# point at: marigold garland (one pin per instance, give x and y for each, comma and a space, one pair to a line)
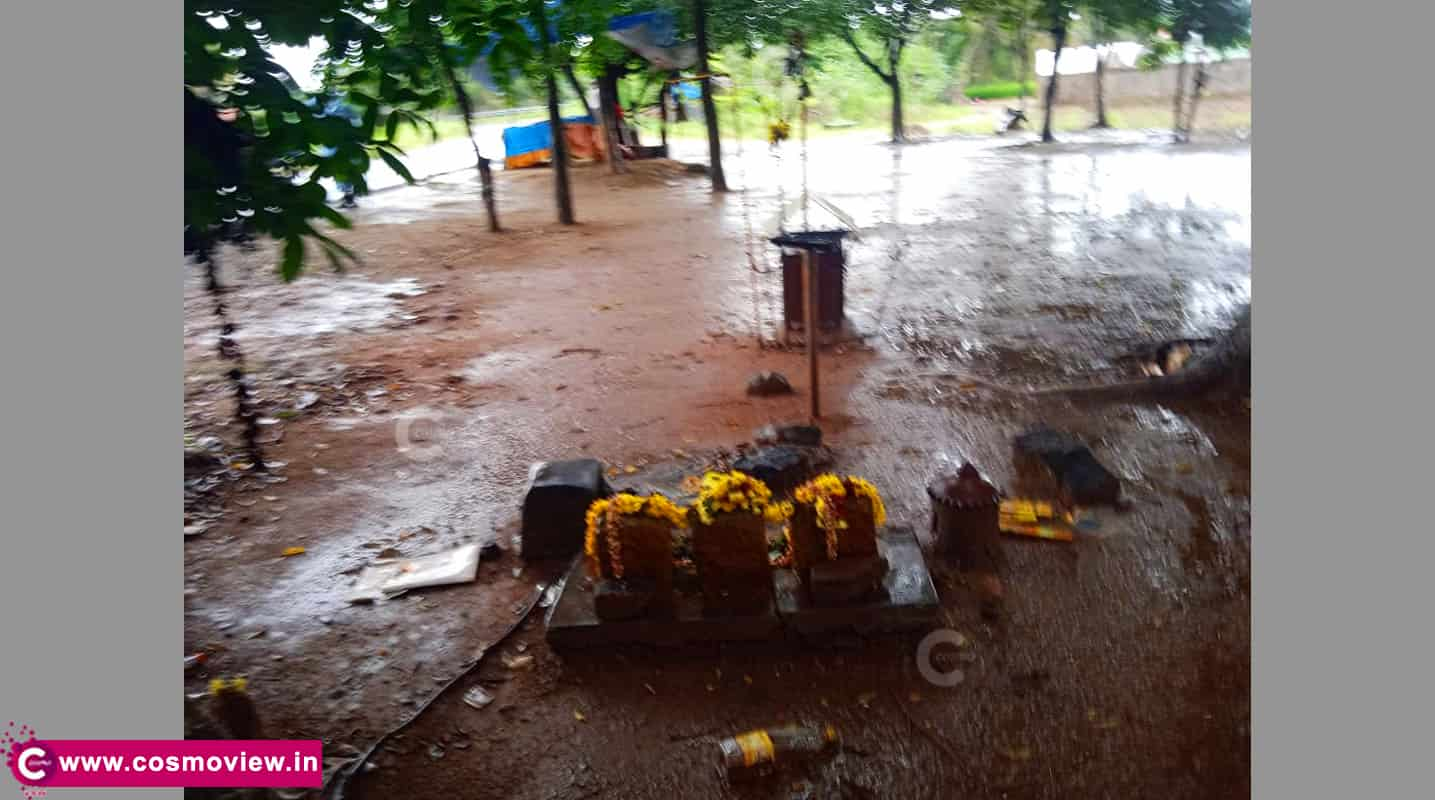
826, 494
605, 513
725, 492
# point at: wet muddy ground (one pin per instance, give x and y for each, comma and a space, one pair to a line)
406, 399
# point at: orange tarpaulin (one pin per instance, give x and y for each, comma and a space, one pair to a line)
585, 143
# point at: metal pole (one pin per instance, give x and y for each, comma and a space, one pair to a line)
809, 302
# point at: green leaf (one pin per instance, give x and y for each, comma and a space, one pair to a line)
396, 165
392, 146
333, 257
391, 128
293, 258
338, 220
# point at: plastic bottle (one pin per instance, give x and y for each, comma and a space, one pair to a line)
758, 752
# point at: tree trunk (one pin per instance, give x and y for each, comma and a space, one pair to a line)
700, 13
608, 118
899, 131
1058, 35
663, 115
680, 109
578, 89
1023, 52
1101, 121
1195, 98
1180, 100
560, 155
485, 173
894, 81
229, 351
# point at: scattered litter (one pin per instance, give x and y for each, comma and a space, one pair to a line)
293, 551
477, 697
194, 662
388, 579
306, 399
1053, 533
578, 715
757, 753
256, 634
517, 662
436, 752
1034, 518
196, 529
550, 595
865, 699
651, 690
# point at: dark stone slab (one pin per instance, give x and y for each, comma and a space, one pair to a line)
782, 467
846, 581
1083, 479
615, 600
558, 496
573, 621
909, 600
802, 435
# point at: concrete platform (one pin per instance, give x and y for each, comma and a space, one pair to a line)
910, 602
572, 622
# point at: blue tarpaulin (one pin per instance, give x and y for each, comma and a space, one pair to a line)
653, 35
527, 145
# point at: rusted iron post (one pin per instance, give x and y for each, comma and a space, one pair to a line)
809, 301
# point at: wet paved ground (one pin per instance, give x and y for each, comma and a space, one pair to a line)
1119, 665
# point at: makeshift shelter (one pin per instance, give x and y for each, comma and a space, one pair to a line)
532, 145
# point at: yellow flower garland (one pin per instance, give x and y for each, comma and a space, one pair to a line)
725, 492
823, 493
605, 513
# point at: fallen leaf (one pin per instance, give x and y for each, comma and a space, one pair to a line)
1022, 753
293, 551
578, 715
630, 469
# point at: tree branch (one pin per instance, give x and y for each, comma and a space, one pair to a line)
856, 48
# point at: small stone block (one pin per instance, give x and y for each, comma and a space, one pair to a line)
801, 435
1083, 480
847, 580
558, 496
782, 467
